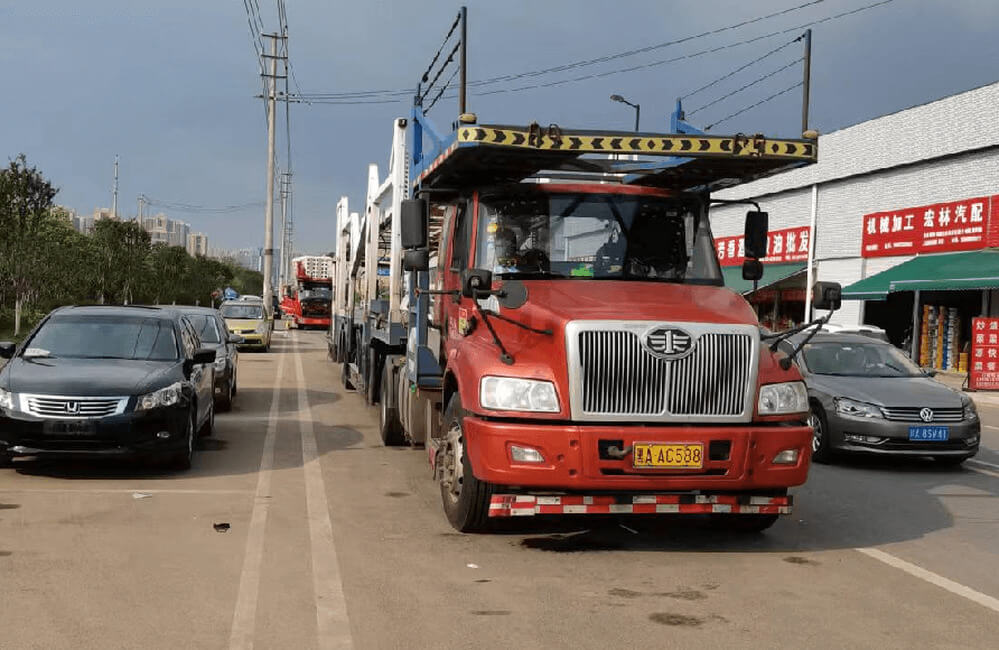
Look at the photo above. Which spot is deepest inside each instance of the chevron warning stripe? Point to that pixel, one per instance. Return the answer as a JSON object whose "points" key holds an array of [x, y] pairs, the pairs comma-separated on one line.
{"points": [[686, 145]]}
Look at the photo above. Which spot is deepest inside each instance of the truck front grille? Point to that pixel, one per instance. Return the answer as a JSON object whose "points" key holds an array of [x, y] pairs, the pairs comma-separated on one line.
{"points": [[618, 377]]}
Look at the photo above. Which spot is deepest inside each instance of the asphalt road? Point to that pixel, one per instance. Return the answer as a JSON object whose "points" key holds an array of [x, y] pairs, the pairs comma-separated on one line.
{"points": [[336, 541]]}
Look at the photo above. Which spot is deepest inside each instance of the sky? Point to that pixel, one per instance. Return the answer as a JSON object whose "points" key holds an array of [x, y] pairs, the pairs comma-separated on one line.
{"points": [[172, 87]]}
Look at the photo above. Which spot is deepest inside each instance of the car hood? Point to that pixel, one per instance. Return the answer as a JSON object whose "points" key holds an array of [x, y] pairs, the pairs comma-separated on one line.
{"points": [[565, 300], [86, 377], [888, 391], [243, 323]]}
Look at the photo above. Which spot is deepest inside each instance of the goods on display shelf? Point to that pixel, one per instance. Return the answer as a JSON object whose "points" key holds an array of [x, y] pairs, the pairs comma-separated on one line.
{"points": [[940, 339]]}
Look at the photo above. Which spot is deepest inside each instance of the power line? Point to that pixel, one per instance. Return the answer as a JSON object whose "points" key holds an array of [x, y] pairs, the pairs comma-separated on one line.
{"points": [[382, 97], [749, 85], [739, 69], [201, 209], [749, 108]]}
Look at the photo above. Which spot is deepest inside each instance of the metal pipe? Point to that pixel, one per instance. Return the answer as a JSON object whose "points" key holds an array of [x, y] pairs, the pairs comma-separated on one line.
{"points": [[464, 60], [806, 82]]}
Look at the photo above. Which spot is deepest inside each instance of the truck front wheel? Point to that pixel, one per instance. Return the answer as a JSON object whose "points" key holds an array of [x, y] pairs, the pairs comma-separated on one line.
{"points": [[465, 498]]}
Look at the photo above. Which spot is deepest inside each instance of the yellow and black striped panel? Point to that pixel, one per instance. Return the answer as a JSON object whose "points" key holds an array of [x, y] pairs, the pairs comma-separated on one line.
{"points": [[693, 146]]}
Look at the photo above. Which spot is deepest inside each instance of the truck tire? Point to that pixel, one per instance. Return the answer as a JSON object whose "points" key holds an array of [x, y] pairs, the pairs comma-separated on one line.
{"points": [[465, 498], [389, 424]]}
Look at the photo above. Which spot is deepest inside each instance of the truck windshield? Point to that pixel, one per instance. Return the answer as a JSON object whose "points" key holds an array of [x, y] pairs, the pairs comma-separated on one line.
{"points": [[597, 236]]}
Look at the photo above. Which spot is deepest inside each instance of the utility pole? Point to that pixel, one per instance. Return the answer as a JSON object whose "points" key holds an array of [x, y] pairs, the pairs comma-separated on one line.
{"points": [[268, 261], [114, 190], [285, 191], [142, 200], [806, 82]]}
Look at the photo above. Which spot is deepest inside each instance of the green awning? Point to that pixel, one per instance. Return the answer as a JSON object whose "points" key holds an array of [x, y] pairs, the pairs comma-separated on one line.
{"points": [[772, 273], [940, 272]]}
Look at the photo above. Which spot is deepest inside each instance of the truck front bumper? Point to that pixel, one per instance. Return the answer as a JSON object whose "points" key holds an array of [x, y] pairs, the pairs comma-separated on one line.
{"points": [[737, 459]]}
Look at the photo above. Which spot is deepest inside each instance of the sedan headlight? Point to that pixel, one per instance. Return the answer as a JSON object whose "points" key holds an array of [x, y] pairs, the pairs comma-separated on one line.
{"points": [[514, 394], [857, 409], [163, 397], [781, 399], [6, 400], [970, 412], [261, 328], [220, 360]]}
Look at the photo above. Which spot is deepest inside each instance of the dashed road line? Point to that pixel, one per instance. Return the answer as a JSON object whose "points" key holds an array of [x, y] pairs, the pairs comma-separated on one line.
{"points": [[932, 578], [333, 625], [245, 614]]}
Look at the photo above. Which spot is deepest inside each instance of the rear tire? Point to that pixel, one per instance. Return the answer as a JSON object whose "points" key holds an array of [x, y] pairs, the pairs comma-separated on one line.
{"points": [[225, 402], [821, 452], [389, 424], [465, 498]]}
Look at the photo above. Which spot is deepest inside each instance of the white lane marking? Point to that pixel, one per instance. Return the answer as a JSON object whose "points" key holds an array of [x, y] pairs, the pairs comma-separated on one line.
{"points": [[983, 471], [331, 606], [982, 462], [119, 491], [933, 578], [244, 616], [990, 426]]}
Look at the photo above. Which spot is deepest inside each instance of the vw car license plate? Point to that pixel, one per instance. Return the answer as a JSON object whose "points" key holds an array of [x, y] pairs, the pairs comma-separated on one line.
{"points": [[929, 434]]}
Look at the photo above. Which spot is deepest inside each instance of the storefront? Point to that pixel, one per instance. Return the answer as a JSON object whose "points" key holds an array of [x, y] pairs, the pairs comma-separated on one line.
{"points": [[779, 296]]}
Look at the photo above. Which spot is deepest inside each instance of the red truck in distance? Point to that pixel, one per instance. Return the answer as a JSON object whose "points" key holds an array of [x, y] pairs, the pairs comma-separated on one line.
{"points": [[309, 302]]}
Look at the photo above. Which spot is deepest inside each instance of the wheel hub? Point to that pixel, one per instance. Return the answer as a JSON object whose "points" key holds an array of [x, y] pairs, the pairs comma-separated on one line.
{"points": [[452, 469], [816, 425]]}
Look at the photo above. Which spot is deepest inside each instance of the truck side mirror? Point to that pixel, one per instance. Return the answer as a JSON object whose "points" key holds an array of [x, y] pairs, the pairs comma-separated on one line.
{"points": [[756, 234], [827, 295], [416, 260], [474, 281], [413, 222], [752, 270]]}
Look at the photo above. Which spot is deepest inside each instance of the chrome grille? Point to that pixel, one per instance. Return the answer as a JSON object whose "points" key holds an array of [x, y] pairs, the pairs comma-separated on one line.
{"points": [[911, 414], [73, 407], [613, 376]]}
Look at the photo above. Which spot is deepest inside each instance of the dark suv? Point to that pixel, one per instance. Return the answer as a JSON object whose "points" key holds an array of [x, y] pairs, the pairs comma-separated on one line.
{"points": [[107, 381], [214, 334]]}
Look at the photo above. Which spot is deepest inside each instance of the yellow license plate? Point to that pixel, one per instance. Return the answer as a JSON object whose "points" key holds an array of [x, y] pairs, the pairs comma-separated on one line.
{"points": [[683, 456]]}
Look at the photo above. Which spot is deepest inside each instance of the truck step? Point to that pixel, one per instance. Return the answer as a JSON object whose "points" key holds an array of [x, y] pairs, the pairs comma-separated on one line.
{"points": [[526, 505]]}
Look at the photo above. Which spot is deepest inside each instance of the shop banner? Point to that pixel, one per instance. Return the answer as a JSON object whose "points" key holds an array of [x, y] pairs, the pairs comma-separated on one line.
{"points": [[983, 370], [938, 228], [783, 246]]}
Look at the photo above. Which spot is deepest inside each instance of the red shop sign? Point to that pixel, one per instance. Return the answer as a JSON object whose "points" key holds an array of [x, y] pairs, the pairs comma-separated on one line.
{"points": [[942, 227], [983, 367], [787, 245]]}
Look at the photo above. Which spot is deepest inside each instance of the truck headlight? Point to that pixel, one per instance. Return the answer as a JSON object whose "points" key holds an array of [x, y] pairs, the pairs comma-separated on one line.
{"points": [[780, 399], [515, 394], [163, 397], [7, 400], [857, 409]]}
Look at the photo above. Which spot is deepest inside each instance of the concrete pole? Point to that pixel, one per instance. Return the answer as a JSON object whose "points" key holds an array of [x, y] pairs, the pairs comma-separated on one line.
{"points": [[114, 190], [268, 263], [810, 269]]}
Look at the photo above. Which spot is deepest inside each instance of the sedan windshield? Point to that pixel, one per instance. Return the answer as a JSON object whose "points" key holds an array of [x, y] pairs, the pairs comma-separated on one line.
{"points": [[859, 360], [105, 337], [596, 236], [245, 312]]}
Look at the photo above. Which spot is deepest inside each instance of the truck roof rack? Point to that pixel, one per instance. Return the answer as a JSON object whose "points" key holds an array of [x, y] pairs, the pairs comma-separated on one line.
{"points": [[477, 155]]}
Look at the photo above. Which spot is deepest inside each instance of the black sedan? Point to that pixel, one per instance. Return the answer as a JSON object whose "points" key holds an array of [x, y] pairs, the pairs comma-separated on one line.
{"points": [[214, 334], [867, 397], [107, 381]]}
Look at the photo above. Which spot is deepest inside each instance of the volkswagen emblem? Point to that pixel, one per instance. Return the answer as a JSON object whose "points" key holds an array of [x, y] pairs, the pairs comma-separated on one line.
{"points": [[668, 342], [72, 408], [926, 415]]}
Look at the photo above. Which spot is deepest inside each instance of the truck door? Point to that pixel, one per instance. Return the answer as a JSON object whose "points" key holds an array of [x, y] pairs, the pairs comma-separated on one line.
{"points": [[452, 259]]}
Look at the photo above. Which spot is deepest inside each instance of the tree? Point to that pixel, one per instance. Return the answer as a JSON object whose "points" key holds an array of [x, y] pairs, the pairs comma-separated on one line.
{"points": [[25, 203], [122, 250]]}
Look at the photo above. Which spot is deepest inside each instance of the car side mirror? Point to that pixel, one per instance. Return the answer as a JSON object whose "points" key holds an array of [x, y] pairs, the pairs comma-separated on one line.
{"points": [[476, 281], [203, 356], [7, 349], [413, 223], [752, 270], [416, 260], [827, 295], [756, 234], [235, 338]]}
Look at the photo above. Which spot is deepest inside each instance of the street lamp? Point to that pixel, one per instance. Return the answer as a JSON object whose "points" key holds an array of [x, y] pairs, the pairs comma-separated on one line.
{"points": [[638, 108]]}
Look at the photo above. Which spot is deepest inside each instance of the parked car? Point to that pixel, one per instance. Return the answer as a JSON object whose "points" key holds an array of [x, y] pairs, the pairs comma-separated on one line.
{"points": [[107, 381], [214, 334], [871, 331], [867, 397], [248, 319]]}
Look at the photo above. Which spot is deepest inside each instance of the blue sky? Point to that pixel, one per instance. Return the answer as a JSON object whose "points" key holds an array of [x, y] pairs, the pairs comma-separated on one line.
{"points": [[170, 86]]}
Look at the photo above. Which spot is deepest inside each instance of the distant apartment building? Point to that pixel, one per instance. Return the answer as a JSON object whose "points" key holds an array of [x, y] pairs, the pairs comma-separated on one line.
{"points": [[197, 244], [163, 230]]}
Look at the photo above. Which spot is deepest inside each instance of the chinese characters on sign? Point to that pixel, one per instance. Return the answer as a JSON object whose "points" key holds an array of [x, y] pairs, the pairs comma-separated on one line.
{"points": [[983, 367], [788, 245], [941, 227]]}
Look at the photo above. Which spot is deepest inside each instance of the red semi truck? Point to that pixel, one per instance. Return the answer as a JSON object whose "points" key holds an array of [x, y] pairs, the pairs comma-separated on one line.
{"points": [[310, 301]]}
